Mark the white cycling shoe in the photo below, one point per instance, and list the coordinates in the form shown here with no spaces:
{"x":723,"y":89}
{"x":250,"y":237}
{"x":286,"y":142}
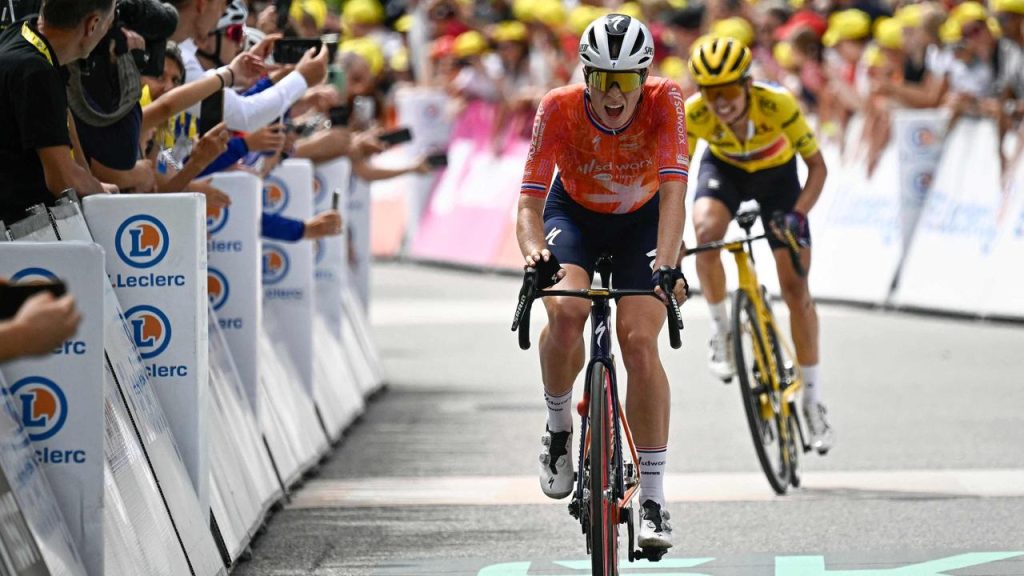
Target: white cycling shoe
{"x":720,"y":357}
{"x":555,"y":464}
{"x":655,"y":530}
{"x":822,"y":436}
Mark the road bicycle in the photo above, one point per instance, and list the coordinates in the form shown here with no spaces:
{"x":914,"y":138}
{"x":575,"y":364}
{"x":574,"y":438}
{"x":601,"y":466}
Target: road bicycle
{"x":770,"y":380}
{"x":606,"y":483}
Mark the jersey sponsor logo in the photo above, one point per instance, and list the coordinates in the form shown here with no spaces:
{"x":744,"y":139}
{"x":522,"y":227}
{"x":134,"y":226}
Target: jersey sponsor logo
{"x":539,"y":123}
{"x":275,"y":264}
{"x":679,"y":104}
{"x":150,"y":329}
{"x":595,"y":166}
{"x":275,"y":195}
{"x":216,"y":218}
{"x":44,"y":408}
{"x":142,"y":241}
{"x":550,"y":238}
{"x":217,"y":287}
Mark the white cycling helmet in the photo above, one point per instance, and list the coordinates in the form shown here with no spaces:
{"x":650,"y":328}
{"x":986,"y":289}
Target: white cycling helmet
{"x":617,"y":42}
{"x":236,"y":13}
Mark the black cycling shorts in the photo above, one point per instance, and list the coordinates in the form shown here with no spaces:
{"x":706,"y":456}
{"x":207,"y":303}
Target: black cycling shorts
{"x":576,"y":235}
{"x":775,"y":189}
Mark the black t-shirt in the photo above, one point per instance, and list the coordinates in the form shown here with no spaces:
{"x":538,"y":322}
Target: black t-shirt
{"x":33,"y":114}
{"x":115,"y":146}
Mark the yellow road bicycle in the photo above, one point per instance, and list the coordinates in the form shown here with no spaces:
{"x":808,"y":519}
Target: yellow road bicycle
{"x":769,"y":378}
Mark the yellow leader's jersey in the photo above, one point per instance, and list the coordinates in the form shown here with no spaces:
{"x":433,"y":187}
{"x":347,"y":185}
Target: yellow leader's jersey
{"x":776,"y":130}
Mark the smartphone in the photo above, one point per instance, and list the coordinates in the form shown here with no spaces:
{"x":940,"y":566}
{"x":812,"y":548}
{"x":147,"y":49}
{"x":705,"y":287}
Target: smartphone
{"x":291,"y":50}
{"x":396,"y":136}
{"x":211,"y":112}
{"x":335,"y":199}
{"x":283,"y":7}
{"x":438,"y":160}
{"x":331,"y":41}
{"x":13,"y":296}
{"x":340,"y":115}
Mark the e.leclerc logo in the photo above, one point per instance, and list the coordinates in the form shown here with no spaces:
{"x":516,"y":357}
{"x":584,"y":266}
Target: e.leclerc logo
{"x":150,"y":330}
{"x":275,"y":264}
{"x":216,"y":218}
{"x":319,"y":189}
{"x":142,"y":241}
{"x":275,"y":195}
{"x":44,"y":408}
{"x":217,"y":287}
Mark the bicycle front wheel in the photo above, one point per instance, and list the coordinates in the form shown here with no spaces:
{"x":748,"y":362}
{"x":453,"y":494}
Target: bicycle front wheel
{"x":604,"y":514}
{"x":761,"y":400}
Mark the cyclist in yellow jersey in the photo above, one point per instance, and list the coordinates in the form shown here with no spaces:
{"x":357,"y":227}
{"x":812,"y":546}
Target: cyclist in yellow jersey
{"x":754,"y":132}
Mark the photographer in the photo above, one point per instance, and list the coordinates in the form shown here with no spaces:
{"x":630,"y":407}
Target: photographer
{"x":36,"y":164}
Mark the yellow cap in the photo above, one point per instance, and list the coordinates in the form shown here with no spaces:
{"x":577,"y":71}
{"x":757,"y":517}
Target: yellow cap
{"x":889,"y":33}
{"x":524,"y":10}
{"x":968,"y":12}
{"x":677,"y":4}
{"x":783,"y":53}
{"x":734,"y":27}
{"x":910,"y":16}
{"x":470,"y":43}
{"x":847,"y":25}
{"x":509,"y":31}
{"x":949,"y":32}
{"x":581,"y":16}
{"x":316,"y":9}
{"x":631,"y":9}
{"x":551,"y":13}
{"x":873,"y":57}
{"x":1014,"y":6}
{"x":404,"y":24}
{"x":400,"y":60}
{"x":673,"y":67}
{"x":368,"y":50}
{"x":362,"y":12}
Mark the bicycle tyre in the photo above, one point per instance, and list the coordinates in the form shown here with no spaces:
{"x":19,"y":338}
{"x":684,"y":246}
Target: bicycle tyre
{"x":604,"y":525}
{"x":755,"y":389}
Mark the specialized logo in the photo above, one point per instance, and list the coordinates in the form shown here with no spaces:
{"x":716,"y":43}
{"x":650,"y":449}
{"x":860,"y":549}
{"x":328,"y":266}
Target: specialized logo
{"x":275,"y":195}
{"x":150,"y":330}
{"x":617,"y":24}
{"x":44,"y":408}
{"x":653,"y":255}
{"x":600,"y":330}
{"x":550,"y":238}
{"x":319,"y":189}
{"x":275,"y":264}
{"x":216,"y":218}
{"x":217,"y":288}
{"x":142,"y":241}
{"x":34,"y":275}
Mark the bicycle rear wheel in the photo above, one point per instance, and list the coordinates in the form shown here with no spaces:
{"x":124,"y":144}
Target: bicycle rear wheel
{"x":604,"y":514}
{"x":761,"y":402}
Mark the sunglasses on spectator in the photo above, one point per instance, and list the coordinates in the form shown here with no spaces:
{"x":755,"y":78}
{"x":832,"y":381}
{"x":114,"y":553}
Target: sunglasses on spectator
{"x":234,"y":32}
{"x":603,"y":80}
{"x":730,"y":91}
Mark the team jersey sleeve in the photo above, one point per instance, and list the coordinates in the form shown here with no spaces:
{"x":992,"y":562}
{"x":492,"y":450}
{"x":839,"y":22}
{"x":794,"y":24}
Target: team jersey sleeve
{"x":795,"y":126}
{"x":540,"y":163}
{"x":673,"y":150}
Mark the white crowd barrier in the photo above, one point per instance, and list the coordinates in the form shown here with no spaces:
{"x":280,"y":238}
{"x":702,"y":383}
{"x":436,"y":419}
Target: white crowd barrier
{"x":183,"y":409}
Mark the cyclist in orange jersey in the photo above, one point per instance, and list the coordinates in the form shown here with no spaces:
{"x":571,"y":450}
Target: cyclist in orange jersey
{"x":754,"y":132}
{"x":620,"y":147}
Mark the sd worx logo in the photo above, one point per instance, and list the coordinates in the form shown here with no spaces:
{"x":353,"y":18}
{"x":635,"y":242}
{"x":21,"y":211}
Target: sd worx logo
{"x":150,"y":330}
{"x":44,"y":408}
{"x":275,"y":195}
{"x":142,"y":241}
{"x":217,"y":288}
{"x":275,"y":264}
{"x":216,"y":218}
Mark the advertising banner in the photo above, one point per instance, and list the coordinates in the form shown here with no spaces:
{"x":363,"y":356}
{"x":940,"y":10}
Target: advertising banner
{"x":953,"y":243}
{"x":34,"y":536}
{"x":59,"y":396}
{"x":157,"y":263}
{"x":233,"y":272}
{"x":288,"y":267}
{"x":331,"y":253}
{"x":919,"y":137}
{"x":1004,"y":298}
{"x":359,"y":243}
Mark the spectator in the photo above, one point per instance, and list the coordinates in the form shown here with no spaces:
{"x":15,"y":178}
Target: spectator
{"x":40,"y":325}
{"x":36,"y":163}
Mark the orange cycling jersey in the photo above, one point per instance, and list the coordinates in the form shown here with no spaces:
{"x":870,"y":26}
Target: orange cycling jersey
{"x":604,"y":170}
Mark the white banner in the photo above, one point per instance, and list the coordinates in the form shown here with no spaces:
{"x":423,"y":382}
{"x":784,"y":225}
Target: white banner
{"x":59,"y":397}
{"x":35,"y":534}
{"x":1004,"y":297}
{"x":919,"y":136}
{"x":946,"y":265}
{"x":233,"y":274}
{"x":288,"y":267}
{"x":358,"y":226}
{"x":157,"y":263}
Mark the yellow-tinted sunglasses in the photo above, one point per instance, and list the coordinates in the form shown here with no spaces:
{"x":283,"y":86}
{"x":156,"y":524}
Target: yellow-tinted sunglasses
{"x":729,"y":91}
{"x":603,"y":80}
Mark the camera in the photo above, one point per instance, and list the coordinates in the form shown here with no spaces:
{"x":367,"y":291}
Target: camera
{"x":150,"y":19}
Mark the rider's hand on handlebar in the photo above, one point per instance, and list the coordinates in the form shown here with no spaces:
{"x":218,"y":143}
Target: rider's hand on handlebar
{"x":549,"y":271}
{"x":674,"y":276}
{"x":795,"y":224}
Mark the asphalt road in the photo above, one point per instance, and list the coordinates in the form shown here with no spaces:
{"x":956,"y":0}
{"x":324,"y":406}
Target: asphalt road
{"x":927,"y":476}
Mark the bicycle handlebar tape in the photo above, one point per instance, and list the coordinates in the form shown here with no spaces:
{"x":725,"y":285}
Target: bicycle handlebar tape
{"x":667,"y":277}
{"x":522,"y":318}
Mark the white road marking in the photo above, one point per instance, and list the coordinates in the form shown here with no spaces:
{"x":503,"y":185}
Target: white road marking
{"x":739,"y":487}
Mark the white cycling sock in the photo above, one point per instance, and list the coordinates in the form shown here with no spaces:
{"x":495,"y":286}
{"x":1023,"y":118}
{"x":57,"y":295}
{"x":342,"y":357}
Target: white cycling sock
{"x":811,"y":384}
{"x":559,"y":411}
{"x":652,"y":474}
{"x":719,"y":317}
